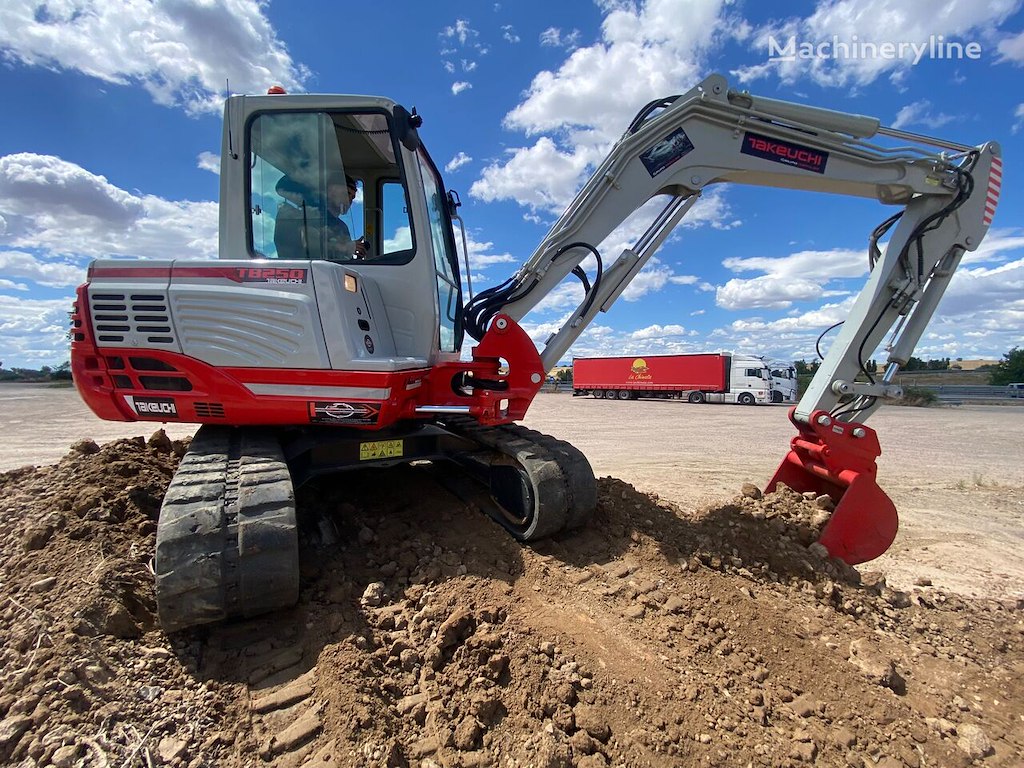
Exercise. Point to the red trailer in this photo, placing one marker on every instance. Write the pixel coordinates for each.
(697, 377)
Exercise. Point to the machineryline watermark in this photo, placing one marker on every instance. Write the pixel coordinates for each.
(935, 47)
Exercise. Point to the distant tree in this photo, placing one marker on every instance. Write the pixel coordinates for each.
(803, 368)
(1008, 370)
(564, 375)
(62, 372)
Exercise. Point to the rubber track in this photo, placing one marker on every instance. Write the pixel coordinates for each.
(564, 489)
(226, 542)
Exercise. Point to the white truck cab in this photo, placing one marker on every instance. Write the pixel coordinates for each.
(784, 382)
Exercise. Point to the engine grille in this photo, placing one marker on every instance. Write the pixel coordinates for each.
(210, 410)
(131, 319)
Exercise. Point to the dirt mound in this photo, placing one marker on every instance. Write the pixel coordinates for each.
(426, 636)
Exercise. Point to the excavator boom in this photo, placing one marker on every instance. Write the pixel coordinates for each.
(675, 148)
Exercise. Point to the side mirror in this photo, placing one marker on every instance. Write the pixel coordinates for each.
(406, 123)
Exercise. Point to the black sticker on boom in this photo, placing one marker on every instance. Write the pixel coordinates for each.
(659, 157)
(784, 152)
(339, 412)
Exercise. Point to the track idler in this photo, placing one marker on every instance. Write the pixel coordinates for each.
(838, 459)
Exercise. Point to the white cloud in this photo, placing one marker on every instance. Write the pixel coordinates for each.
(482, 254)
(180, 51)
(1019, 114)
(814, 265)
(918, 113)
(766, 292)
(1012, 48)
(34, 331)
(657, 332)
(44, 198)
(460, 159)
(208, 161)
(508, 32)
(540, 176)
(981, 311)
(460, 41)
(460, 31)
(553, 37)
(10, 285)
(54, 274)
(912, 22)
(585, 104)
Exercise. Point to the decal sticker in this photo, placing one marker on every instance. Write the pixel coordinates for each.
(639, 371)
(995, 184)
(659, 157)
(784, 152)
(270, 275)
(163, 407)
(381, 449)
(338, 412)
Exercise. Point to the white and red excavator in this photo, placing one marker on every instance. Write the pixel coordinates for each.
(302, 355)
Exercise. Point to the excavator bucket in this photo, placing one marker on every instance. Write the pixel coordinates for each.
(838, 459)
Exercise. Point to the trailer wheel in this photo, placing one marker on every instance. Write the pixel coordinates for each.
(598, 394)
(696, 397)
(625, 394)
(745, 398)
(611, 394)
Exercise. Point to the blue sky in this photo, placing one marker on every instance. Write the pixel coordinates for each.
(111, 129)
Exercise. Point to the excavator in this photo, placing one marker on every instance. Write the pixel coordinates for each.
(300, 354)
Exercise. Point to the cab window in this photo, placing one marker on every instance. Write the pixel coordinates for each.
(312, 175)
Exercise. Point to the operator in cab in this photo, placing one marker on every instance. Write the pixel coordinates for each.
(306, 231)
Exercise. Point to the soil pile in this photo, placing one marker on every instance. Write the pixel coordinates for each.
(425, 636)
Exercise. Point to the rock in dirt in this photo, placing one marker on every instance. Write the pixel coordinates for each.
(973, 741)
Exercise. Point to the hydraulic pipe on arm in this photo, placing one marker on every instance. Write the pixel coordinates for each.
(677, 147)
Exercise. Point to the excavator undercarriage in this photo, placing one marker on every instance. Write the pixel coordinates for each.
(228, 540)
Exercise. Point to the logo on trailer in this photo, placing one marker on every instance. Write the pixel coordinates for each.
(340, 412)
(638, 371)
(784, 152)
(163, 407)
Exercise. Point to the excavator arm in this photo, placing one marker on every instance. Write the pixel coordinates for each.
(673, 150)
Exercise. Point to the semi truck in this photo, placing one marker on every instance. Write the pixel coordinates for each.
(784, 382)
(699, 378)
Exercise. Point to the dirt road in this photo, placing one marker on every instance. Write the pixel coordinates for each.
(666, 632)
(955, 474)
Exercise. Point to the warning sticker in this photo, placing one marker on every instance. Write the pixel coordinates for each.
(381, 449)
